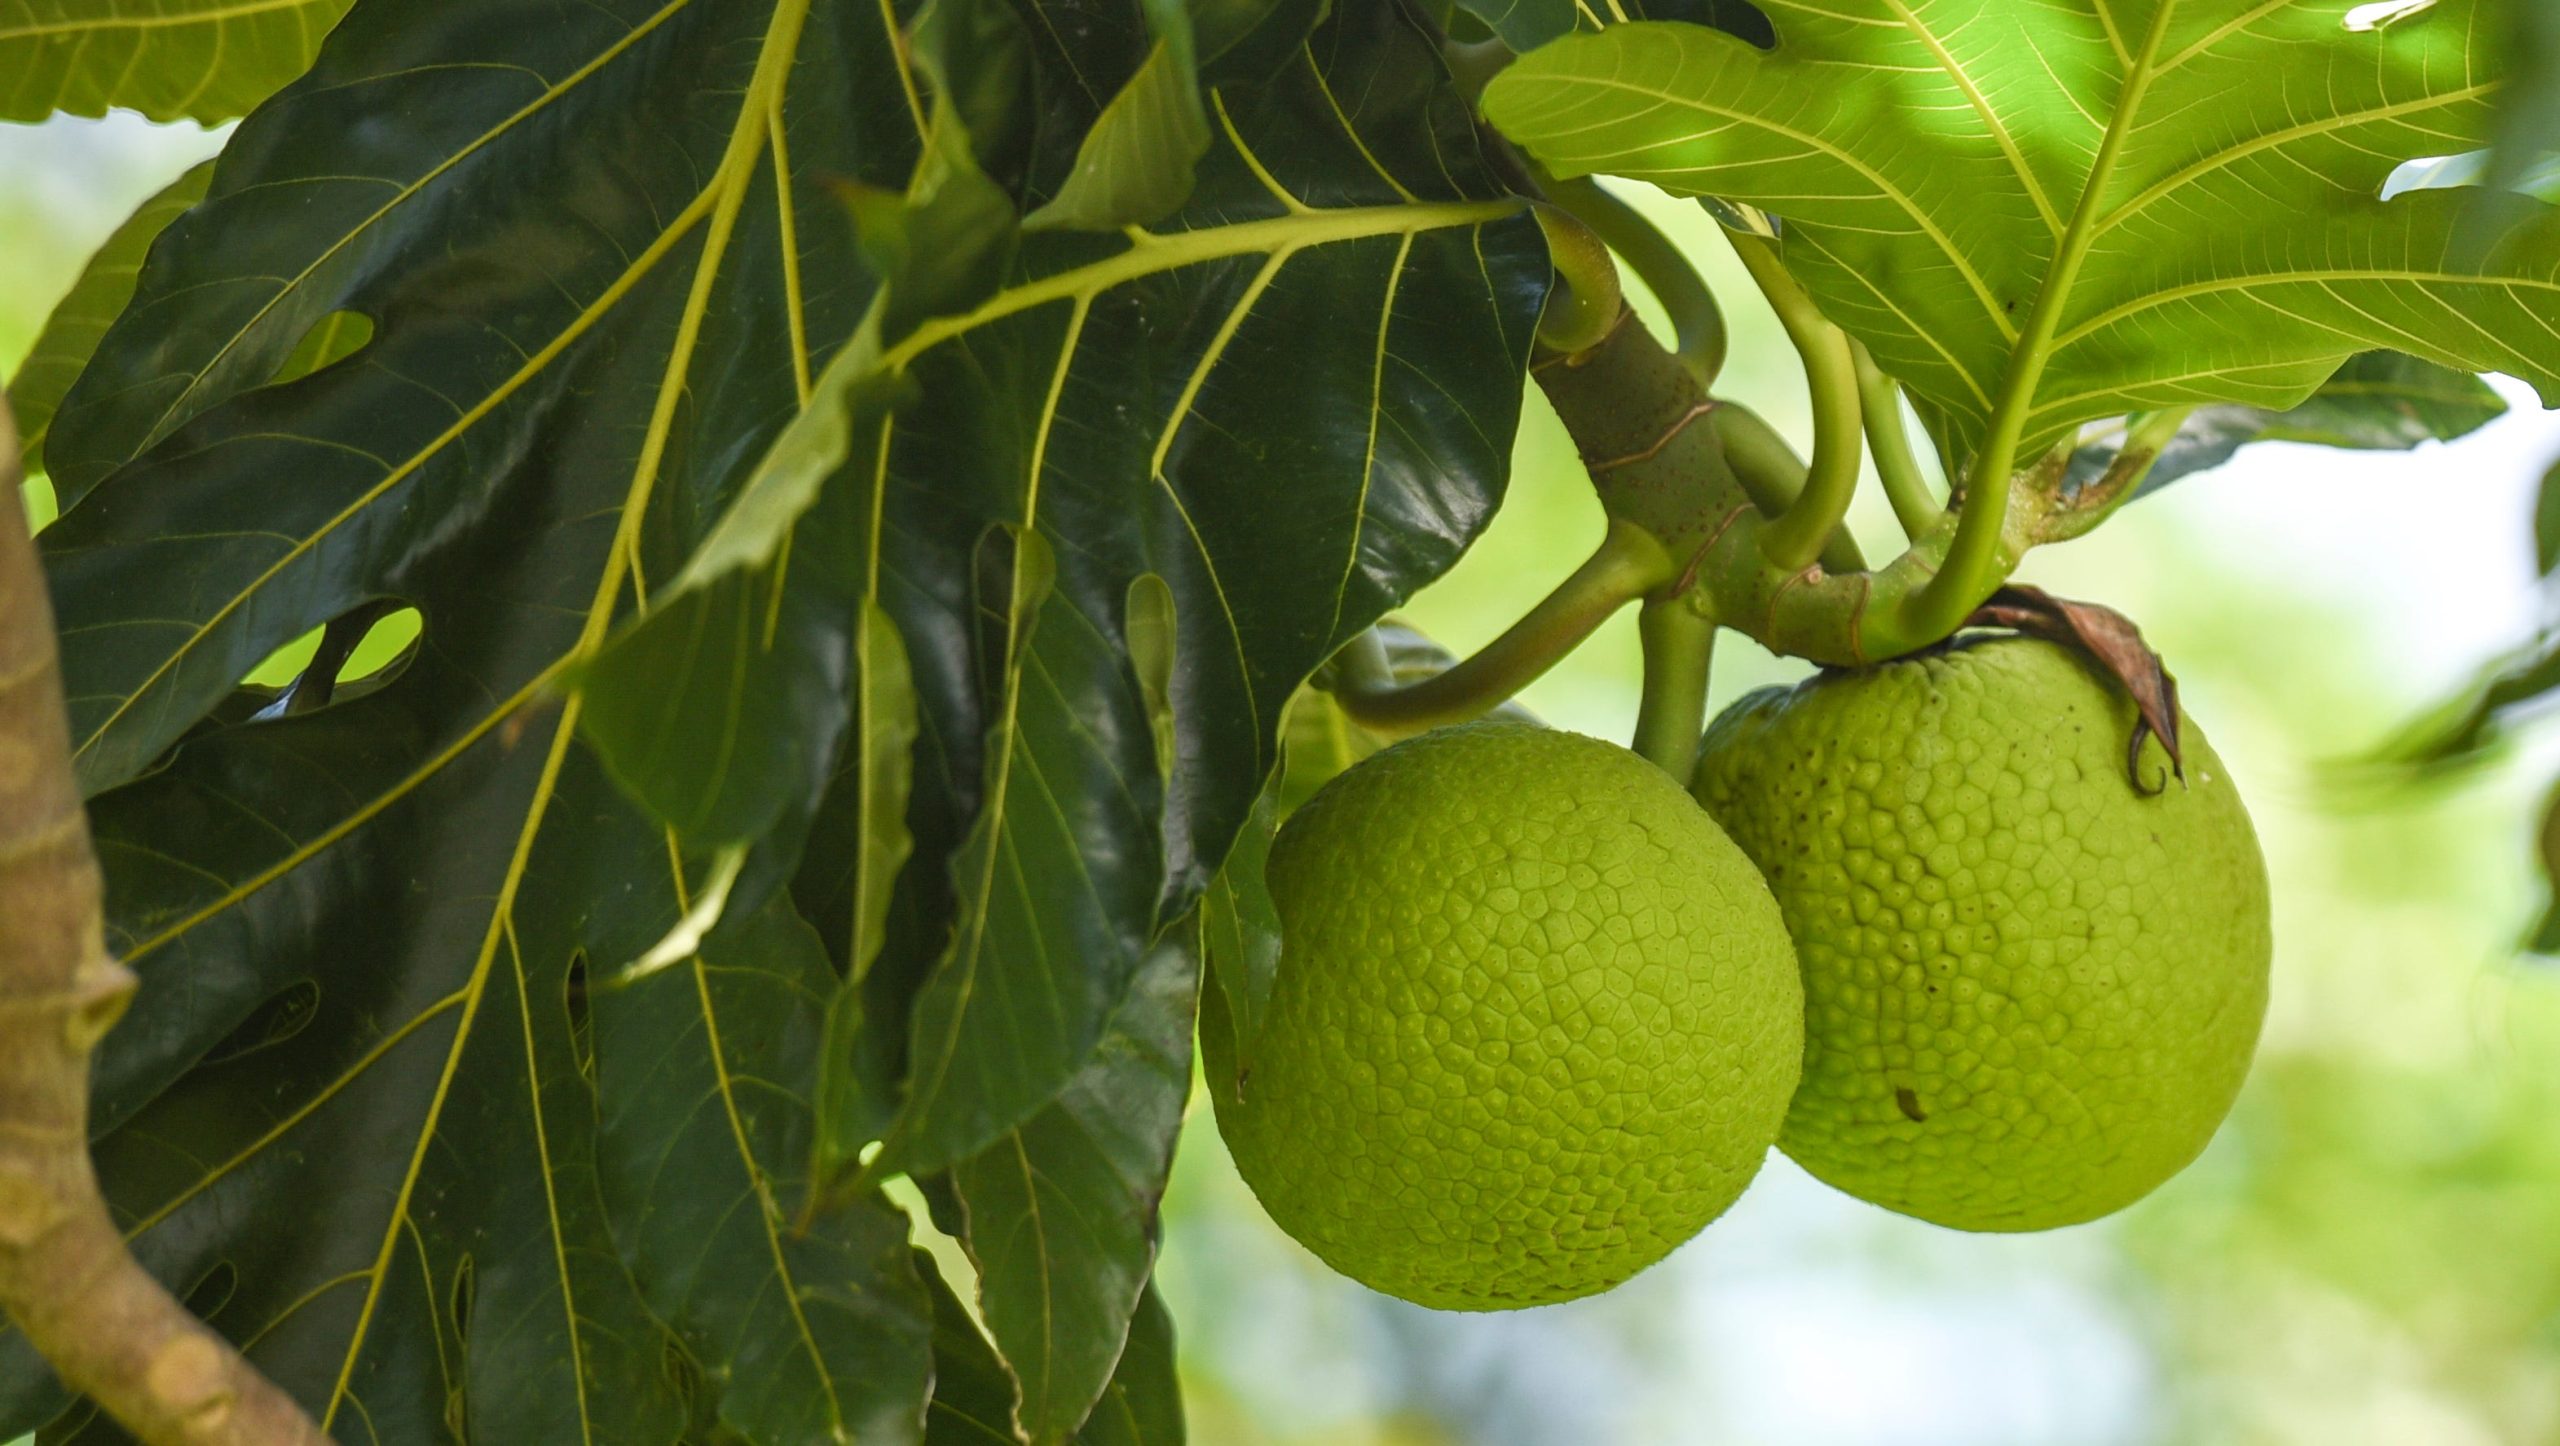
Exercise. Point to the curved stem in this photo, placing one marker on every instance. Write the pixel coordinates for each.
(1628, 564)
(1831, 480)
(1679, 646)
(66, 1277)
(1971, 568)
(1581, 312)
(1773, 476)
(1896, 464)
(1695, 318)
(2144, 441)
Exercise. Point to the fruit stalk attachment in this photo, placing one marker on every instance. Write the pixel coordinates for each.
(2110, 640)
(1679, 648)
(1664, 456)
(1628, 564)
(66, 1278)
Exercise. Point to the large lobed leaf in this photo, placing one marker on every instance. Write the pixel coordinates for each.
(2040, 214)
(388, 1107)
(200, 60)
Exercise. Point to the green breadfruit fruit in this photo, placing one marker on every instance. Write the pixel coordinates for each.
(1535, 1021)
(2032, 990)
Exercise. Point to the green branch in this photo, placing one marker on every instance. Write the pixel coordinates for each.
(1635, 414)
(1628, 564)
(1774, 476)
(1896, 464)
(1972, 569)
(2145, 440)
(1795, 539)
(1696, 320)
(1586, 304)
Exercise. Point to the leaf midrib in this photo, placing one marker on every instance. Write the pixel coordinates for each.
(242, 10)
(730, 184)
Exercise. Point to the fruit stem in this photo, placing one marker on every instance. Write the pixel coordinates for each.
(1679, 636)
(1628, 564)
(1774, 475)
(1656, 449)
(2146, 437)
(1584, 306)
(1695, 318)
(1896, 464)
(1795, 539)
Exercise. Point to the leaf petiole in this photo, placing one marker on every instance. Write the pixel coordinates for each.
(1696, 320)
(1628, 565)
(1585, 306)
(1796, 538)
(1773, 476)
(1896, 464)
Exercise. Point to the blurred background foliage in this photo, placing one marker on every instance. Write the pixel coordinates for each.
(2369, 1253)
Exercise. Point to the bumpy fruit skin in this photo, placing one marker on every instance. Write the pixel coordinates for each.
(2031, 991)
(1535, 1023)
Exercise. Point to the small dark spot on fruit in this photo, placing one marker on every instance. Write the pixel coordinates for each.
(1909, 1103)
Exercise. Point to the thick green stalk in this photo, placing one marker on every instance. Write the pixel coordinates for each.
(1887, 441)
(1831, 480)
(1679, 646)
(1634, 413)
(1774, 475)
(1587, 302)
(2144, 440)
(1628, 565)
(1972, 567)
(1695, 318)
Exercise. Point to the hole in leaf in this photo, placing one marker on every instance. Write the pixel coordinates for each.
(272, 1023)
(582, 1024)
(318, 667)
(331, 340)
(2381, 14)
(37, 493)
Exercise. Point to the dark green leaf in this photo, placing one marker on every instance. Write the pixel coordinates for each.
(973, 1398)
(2479, 720)
(201, 60)
(2378, 402)
(810, 1330)
(1060, 1215)
(1143, 1404)
(1526, 24)
(1135, 165)
(1137, 449)
(360, 1087)
(71, 333)
(1240, 928)
(357, 1098)
(1246, 40)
